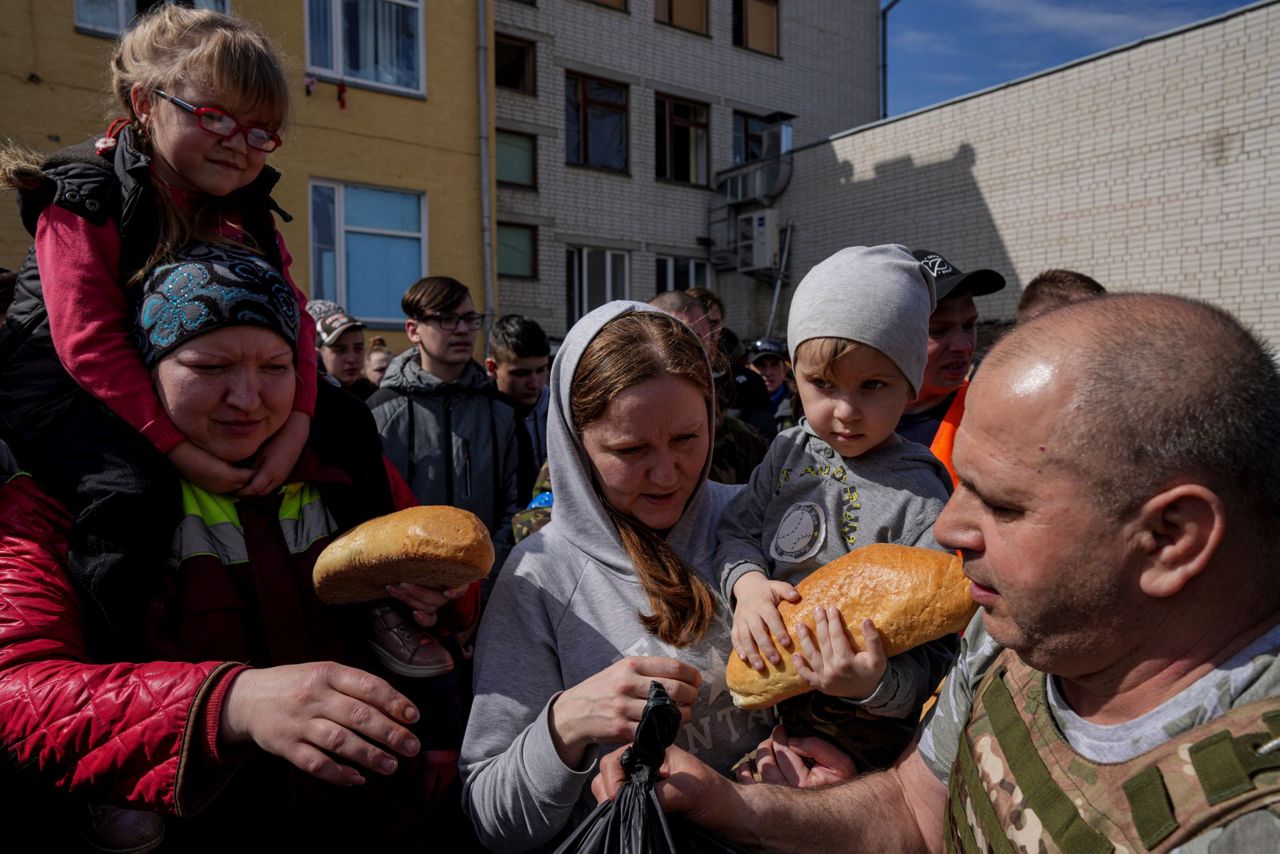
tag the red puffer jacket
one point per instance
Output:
(144, 734)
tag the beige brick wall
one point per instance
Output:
(1155, 167)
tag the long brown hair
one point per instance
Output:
(629, 350)
(226, 55)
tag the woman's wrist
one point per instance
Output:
(568, 745)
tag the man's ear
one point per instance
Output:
(491, 367)
(1178, 531)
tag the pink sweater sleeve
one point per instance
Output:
(304, 397)
(90, 323)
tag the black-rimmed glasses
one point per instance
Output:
(448, 321)
(214, 121)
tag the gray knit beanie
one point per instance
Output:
(875, 295)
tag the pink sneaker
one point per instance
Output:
(405, 647)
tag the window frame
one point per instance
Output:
(670, 22)
(584, 109)
(741, 31)
(336, 74)
(530, 64)
(623, 6)
(672, 121)
(341, 294)
(123, 20)
(533, 158)
(744, 119)
(532, 275)
(670, 262)
(578, 289)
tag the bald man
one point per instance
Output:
(1119, 689)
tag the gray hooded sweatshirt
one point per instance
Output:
(565, 607)
(454, 443)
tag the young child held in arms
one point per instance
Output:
(842, 478)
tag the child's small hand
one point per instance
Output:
(831, 665)
(207, 471)
(424, 601)
(756, 620)
(279, 455)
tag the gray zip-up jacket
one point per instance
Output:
(567, 606)
(454, 443)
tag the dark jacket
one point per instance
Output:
(455, 443)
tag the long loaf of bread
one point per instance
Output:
(436, 547)
(913, 595)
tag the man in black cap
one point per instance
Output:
(933, 417)
(768, 358)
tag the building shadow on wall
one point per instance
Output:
(936, 206)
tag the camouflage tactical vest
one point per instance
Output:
(1017, 785)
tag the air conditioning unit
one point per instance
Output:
(757, 241)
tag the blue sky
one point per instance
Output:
(939, 49)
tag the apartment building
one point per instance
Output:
(381, 162)
(632, 136)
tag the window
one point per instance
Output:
(755, 25)
(371, 41)
(367, 246)
(514, 67)
(614, 4)
(517, 251)
(681, 138)
(748, 138)
(596, 276)
(685, 14)
(595, 123)
(109, 17)
(679, 274)
(517, 159)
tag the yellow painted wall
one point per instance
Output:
(428, 145)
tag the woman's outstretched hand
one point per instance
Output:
(311, 713)
(606, 708)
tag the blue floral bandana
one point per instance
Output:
(212, 287)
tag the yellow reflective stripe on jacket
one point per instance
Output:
(303, 517)
(211, 523)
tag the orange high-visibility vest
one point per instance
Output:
(945, 439)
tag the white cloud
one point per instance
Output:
(910, 40)
(1100, 24)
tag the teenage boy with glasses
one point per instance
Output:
(442, 425)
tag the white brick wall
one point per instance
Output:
(826, 76)
(1155, 167)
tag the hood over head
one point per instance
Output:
(580, 516)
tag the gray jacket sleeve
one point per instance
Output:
(516, 789)
(738, 549)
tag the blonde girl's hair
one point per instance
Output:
(629, 350)
(219, 53)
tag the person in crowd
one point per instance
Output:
(739, 390)
(713, 309)
(377, 358)
(682, 306)
(1118, 513)
(738, 448)
(933, 417)
(340, 346)
(1053, 288)
(767, 358)
(518, 362)
(203, 97)
(618, 590)
(8, 278)
(227, 658)
(442, 426)
(842, 478)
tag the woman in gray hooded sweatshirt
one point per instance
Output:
(617, 590)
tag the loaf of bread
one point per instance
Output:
(913, 595)
(436, 547)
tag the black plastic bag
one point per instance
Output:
(633, 822)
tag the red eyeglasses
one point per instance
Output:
(218, 123)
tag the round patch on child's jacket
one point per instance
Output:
(800, 534)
